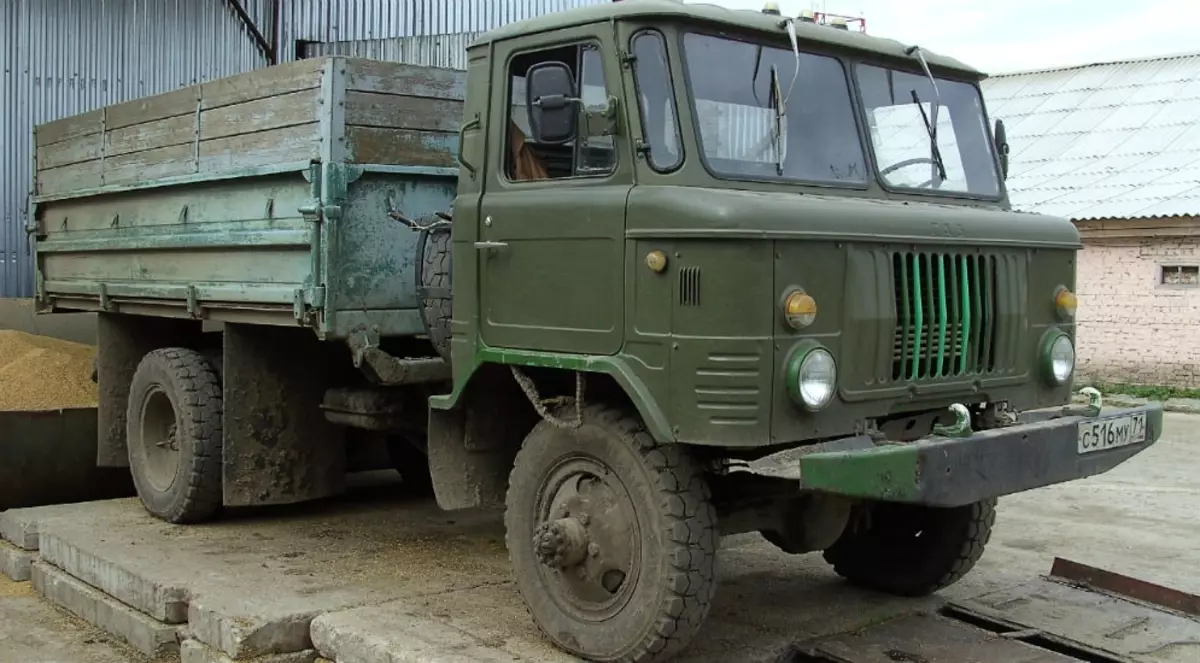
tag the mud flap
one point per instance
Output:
(472, 447)
(278, 447)
(122, 341)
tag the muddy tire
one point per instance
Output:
(412, 464)
(612, 538)
(433, 282)
(911, 550)
(173, 429)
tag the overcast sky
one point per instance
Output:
(1012, 35)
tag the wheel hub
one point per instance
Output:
(562, 543)
(587, 540)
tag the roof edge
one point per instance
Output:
(1181, 55)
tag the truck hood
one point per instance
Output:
(666, 211)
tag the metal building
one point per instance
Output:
(63, 57)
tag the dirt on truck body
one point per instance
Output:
(630, 253)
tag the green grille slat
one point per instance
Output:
(988, 339)
(941, 315)
(965, 333)
(930, 300)
(918, 319)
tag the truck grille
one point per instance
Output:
(946, 315)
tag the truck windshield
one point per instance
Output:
(731, 87)
(899, 110)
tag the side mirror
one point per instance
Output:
(1001, 138)
(550, 100)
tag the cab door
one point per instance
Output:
(552, 220)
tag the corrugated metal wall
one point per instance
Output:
(448, 51)
(62, 57)
(359, 20)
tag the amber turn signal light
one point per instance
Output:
(1065, 303)
(799, 309)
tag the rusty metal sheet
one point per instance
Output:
(924, 638)
(1105, 626)
(1126, 586)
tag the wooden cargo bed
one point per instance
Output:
(210, 201)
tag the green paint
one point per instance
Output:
(965, 291)
(884, 473)
(941, 301)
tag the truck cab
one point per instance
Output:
(780, 256)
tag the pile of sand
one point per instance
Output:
(42, 373)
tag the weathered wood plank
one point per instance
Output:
(150, 164)
(373, 109)
(412, 80)
(260, 83)
(74, 150)
(149, 109)
(288, 144)
(85, 175)
(176, 130)
(260, 115)
(75, 126)
(402, 147)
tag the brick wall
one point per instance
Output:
(1133, 329)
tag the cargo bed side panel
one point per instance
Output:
(207, 245)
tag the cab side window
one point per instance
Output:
(592, 153)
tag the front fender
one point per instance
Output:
(615, 366)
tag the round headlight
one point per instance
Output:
(812, 379)
(1060, 359)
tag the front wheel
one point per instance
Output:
(612, 538)
(912, 550)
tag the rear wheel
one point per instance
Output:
(913, 550)
(612, 538)
(173, 432)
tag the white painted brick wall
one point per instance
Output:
(1132, 329)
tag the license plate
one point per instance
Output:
(1103, 434)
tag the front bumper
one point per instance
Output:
(950, 472)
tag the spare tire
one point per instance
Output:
(434, 264)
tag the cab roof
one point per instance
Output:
(741, 19)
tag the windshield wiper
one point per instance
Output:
(779, 105)
(779, 100)
(931, 129)
(931, 123)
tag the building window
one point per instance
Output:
(1180, 275)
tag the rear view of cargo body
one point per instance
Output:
(265, 198)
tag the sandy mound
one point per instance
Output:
(42, 373)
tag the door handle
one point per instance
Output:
(482, 246)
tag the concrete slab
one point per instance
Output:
(14, 562)
(251, 584)
(193, 651)
(393, 634)
(20, 526)
(33, 631)
(118, 577)
(151, 638)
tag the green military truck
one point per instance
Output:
(645, 274)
